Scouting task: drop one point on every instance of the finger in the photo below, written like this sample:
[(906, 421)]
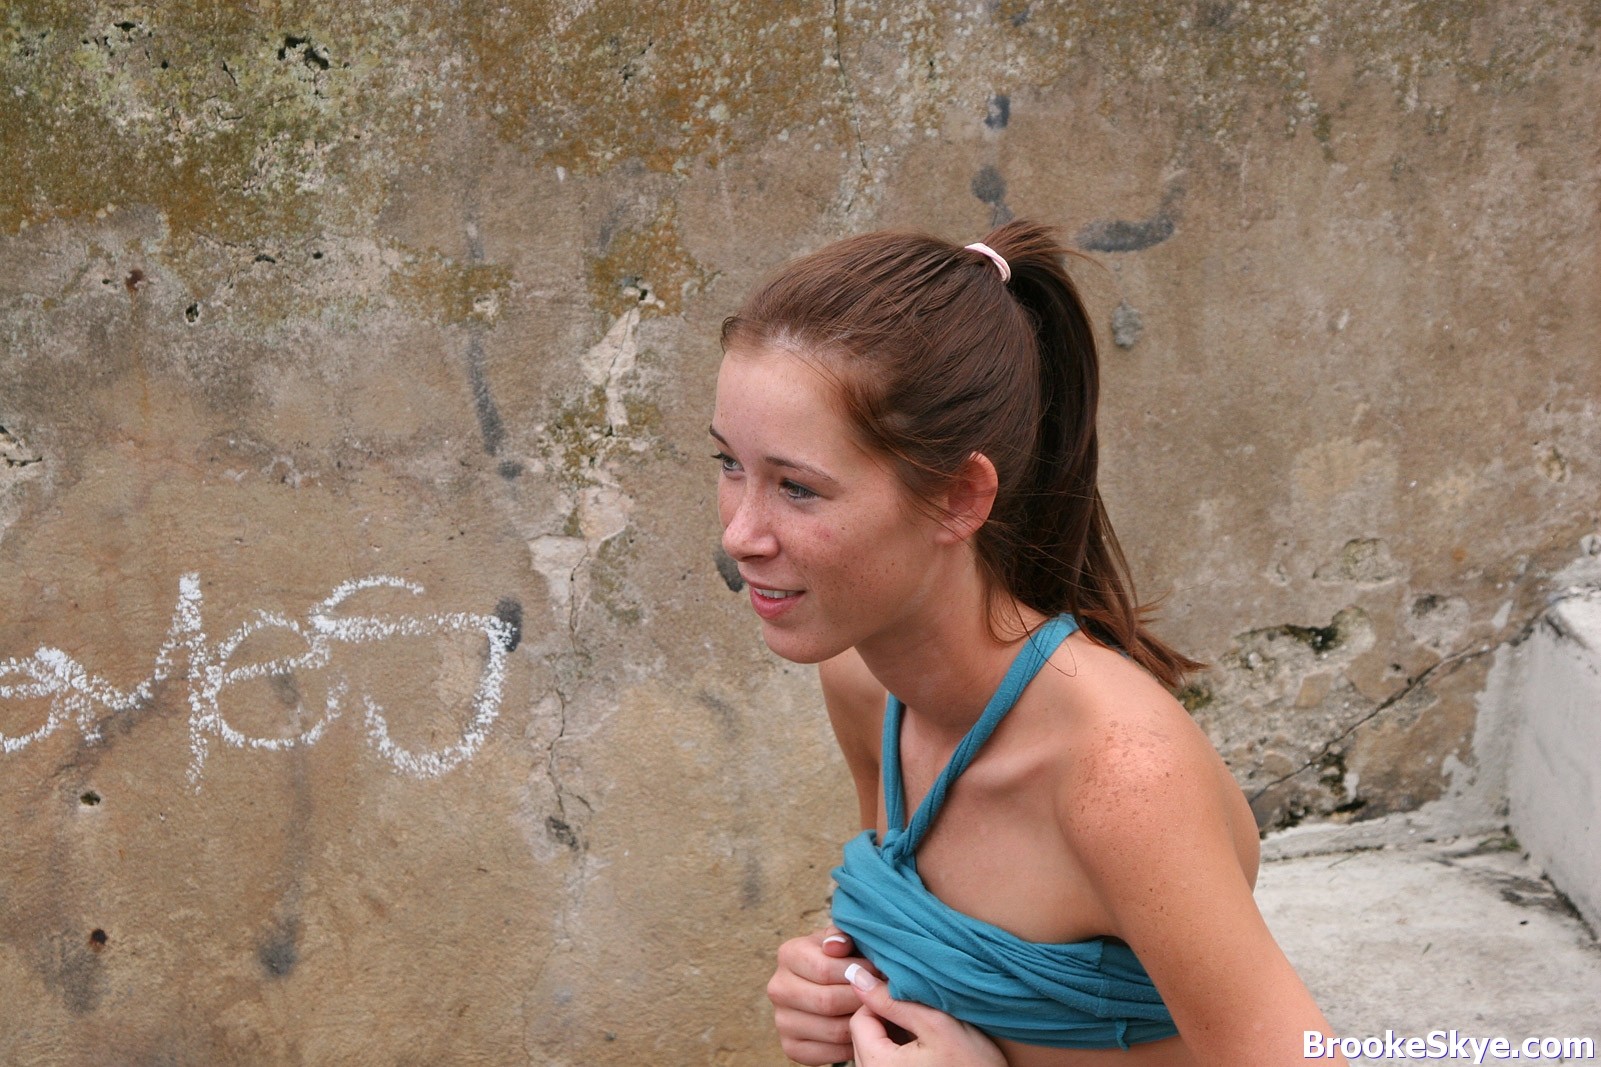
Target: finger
[(802, 1026), (837, 944), (917, 1019), (828, 999), (815, 1052), (869, 1039), (806, 957)]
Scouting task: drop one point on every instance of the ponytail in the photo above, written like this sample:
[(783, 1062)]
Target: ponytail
[(1067, 557)]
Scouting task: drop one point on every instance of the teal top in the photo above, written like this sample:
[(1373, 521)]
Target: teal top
[(1080, 994)]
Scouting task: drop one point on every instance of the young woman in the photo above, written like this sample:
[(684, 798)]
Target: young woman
[(1056, 867)]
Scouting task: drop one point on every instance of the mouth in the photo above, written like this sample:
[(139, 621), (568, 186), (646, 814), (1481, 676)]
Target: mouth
[(770, 603)]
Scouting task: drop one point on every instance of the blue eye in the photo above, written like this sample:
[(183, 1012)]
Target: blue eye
[(796, 491), (728, 463)]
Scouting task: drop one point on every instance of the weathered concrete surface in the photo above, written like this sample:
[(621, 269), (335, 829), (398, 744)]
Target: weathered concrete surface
[(1417, 938), (300, 295), (1554, 793)]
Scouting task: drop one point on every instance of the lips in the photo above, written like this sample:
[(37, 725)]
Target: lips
[(771, 602)]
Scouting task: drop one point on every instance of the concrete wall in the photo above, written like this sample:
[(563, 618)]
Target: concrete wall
[(295, 298), (1555, 789)]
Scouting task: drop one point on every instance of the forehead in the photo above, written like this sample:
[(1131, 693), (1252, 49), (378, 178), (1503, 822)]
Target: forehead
[(775, 386), (778, 402)]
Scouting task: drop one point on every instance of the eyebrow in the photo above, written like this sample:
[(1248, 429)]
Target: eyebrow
[(780, 461)]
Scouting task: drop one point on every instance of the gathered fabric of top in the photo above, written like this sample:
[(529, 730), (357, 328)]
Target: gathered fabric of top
[(1080, 994)]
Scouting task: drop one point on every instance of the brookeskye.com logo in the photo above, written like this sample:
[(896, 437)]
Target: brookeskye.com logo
[(1447, 1045)]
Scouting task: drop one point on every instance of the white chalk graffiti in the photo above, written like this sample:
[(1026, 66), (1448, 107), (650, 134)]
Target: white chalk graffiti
[(75, 694)]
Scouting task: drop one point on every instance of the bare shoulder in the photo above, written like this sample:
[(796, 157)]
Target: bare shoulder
[(1137, 760), (855, 701), (1167, 845)]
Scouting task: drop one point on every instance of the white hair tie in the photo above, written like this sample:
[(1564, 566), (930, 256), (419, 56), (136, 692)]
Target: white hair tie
[(1000, 260)]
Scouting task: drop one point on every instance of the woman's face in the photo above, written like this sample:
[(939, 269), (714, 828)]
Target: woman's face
[(831, 550)]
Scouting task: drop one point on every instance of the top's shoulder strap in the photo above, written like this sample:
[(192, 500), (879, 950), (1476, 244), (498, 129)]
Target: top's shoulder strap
[(1030, 658)]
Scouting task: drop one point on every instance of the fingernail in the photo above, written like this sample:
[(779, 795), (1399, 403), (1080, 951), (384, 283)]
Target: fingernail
[(860, 977), (841, 938)]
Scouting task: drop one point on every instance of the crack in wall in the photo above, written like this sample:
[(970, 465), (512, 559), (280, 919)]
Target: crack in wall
[(560, 826), (859, 177), (1445, 667)]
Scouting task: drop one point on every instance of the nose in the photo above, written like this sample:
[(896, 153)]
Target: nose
[(747, 533)]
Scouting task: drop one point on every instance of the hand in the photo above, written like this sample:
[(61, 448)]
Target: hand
[(937, 1039), (812, 1000)]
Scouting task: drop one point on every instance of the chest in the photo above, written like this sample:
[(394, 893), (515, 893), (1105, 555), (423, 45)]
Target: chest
[(996, 850)]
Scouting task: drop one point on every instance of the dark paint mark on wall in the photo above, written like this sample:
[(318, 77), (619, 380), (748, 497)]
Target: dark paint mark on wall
[(1133, 235), (725, 713), (510, 469), (489, 422), (990, 187), (750, 886), (1215, 15), (561, 831), (728, 569), (1122, 235), (510, 611), (285, 688), (999, 112), (77, 974), (279, 954)]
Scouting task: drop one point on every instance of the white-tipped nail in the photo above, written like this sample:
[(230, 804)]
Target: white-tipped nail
[(841, 938), (860, 977)]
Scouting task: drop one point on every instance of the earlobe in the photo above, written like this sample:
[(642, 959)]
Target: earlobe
[(970, 498)]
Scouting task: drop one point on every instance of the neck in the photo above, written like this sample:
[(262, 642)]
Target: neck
[(942, 662)]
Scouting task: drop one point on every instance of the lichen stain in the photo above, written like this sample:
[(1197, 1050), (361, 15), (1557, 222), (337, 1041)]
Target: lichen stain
[(677, 81), (648, 267), (1195, 696), (450, 292), (578, 439), (207, 113), (236, 123)]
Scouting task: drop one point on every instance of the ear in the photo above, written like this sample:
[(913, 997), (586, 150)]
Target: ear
[(968, 501)]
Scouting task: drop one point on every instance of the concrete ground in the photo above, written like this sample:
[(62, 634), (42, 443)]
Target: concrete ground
[(1414, 938)]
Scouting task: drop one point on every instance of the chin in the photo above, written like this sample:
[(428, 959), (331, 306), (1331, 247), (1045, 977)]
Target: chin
[(796, 647)]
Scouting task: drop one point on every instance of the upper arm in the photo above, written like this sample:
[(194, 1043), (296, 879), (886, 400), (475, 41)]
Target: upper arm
[(855, 701), (1146, 820)]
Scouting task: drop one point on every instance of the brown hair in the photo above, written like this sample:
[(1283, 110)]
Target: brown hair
[(937, 358)]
